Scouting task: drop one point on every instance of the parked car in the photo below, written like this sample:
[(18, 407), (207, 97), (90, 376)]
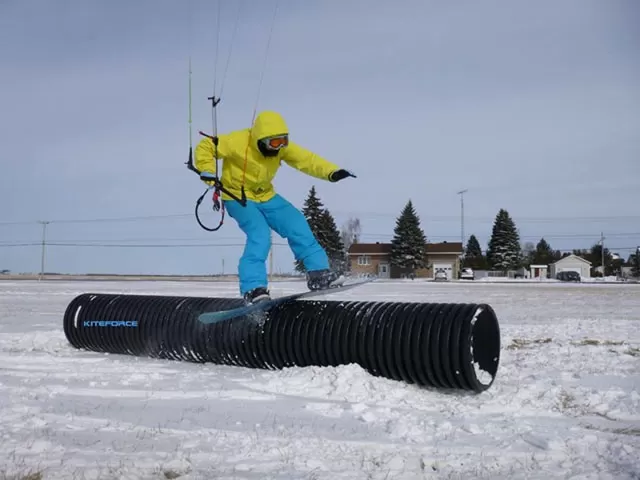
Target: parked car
[(467, 274), (568, 276), (440, 275)]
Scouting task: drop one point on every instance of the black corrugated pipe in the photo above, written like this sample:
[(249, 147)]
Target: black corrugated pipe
[(441, 345)]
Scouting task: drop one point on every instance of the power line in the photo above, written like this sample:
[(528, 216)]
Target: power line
[(105, 220), (538, 237), (190, 245), (142, 239), (239, 238), (116, 245), (30, 222), (517, 219), (425, 218), (125, 219)]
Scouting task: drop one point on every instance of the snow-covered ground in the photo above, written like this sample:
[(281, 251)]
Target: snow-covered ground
[(565, 404)]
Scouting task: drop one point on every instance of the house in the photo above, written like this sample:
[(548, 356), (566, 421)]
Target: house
[(571, 263), (444, 256), (370, 258), (625, 272), (375, 259), (538, 271)]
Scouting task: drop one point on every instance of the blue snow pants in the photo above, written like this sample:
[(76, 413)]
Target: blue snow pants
[(256, 221)]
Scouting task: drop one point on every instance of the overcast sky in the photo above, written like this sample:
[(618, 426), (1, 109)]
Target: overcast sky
[(532, 106)]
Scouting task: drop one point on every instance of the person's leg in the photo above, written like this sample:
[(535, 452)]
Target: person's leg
[(291, 224), (252, 268)]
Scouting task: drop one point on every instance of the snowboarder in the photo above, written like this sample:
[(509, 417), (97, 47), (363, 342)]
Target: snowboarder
[(251, 157)]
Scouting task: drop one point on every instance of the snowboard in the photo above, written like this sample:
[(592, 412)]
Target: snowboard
[(220, 316)]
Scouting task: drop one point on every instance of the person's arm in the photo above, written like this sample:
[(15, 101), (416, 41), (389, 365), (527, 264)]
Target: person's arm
[(205, 153), (312, 164)]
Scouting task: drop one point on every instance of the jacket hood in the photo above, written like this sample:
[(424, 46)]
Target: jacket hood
[(268, 124)]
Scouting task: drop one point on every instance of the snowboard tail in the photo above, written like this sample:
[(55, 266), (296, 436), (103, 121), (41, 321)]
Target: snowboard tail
[(221, 316)]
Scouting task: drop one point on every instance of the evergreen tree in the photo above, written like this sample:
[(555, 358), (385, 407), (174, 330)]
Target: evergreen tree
[(473, 257), (595, 257), (313, 208), (325, 230), (329, 237), (582, 253), (504, 246), (635, 264), (617, 262), (543, 254), (409, 244)]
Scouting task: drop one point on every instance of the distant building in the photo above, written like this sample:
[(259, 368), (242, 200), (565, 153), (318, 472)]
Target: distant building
[(538, 271), (375, 259), (626, 272), (571, 263)]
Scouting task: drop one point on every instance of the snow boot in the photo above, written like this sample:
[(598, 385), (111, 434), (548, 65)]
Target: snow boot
[(256, 295), (323, 279)]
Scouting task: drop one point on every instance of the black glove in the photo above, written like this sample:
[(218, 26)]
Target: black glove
[(340, 175)]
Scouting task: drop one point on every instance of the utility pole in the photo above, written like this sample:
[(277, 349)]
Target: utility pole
[(602, 252), (461, 260), (461, 193), (271, 260), (44, 242)]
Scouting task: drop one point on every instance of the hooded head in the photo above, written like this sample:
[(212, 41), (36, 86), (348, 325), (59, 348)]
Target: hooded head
[(266, 126)]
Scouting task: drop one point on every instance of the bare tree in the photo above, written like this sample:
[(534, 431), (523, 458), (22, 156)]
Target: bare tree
[(528, 253), (350, 232)]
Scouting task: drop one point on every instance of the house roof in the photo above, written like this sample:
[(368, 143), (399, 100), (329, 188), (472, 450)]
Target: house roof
[(572, 257), (370, 248), (385, 248), (445, 247)]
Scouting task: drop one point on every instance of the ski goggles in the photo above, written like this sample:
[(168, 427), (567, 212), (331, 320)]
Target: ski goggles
[(276, 143)]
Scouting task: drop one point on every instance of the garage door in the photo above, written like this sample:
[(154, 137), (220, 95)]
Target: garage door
[(447, 267), (571, 269)]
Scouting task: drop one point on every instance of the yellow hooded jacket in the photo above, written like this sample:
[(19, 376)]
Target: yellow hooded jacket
[(235, 146)]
